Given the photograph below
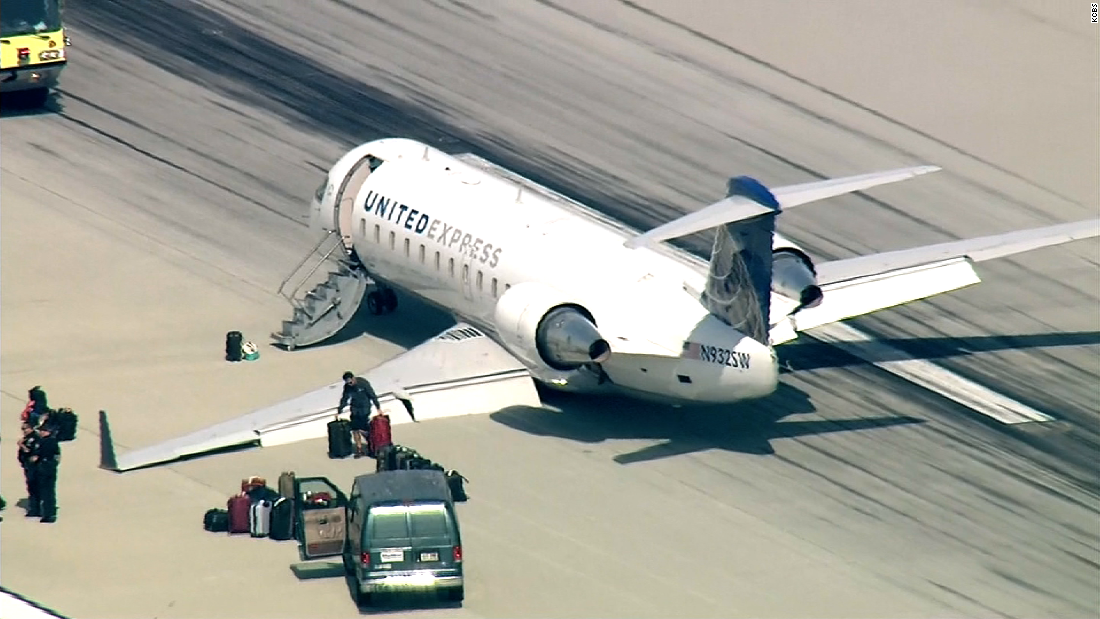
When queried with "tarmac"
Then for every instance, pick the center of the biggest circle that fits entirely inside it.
(160, 201)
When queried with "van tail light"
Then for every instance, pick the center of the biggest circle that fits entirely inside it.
(458, 553)
(364, 557)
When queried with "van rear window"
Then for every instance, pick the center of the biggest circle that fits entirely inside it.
(428, 520)
(389, 523)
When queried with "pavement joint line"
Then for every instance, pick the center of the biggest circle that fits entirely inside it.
(926, 374)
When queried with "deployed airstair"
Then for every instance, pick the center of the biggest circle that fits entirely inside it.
(333, 299)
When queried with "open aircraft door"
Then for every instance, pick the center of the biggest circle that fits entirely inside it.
(321, 516)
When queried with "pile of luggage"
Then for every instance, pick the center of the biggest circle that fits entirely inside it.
(236, 349)
(388, 456)
(258, 510)
(400, 458)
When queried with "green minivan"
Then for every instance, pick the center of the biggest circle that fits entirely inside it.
(403, 535)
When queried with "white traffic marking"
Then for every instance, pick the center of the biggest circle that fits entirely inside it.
(927, 375)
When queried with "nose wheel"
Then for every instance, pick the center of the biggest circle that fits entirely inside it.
(381, 301)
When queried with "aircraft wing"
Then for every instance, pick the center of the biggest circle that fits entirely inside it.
(461, 371)
(865, 284)
(977, 249)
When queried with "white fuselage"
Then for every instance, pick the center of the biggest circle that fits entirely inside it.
(457, 232)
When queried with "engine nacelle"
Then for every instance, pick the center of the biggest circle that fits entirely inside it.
(794, 276)
(542, 325)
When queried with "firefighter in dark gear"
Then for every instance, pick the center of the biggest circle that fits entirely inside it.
(36, 405)
(48, 457)
(28, 446)
(359, 394)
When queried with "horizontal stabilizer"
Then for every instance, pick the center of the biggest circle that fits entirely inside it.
(977, 250)
(461, 371)
(743, 206)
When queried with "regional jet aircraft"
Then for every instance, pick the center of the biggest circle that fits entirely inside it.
(545, 289)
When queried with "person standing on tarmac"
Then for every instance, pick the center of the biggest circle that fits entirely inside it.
(48, 457)
(36, 405)
(359, 394)
(28, 446)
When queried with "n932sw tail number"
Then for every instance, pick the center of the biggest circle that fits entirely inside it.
(724, 356)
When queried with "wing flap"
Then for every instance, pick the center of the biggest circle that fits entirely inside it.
(461, 371)
(977, 249)
(875, 292)
(471, 396)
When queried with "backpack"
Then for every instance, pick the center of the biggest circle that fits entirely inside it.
(216, 520)
(454, 482)
(65, 420)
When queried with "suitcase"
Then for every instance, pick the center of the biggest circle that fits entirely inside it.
(216, 520)
(262, 493)
(233, 346)
(454, 482)
(65, 420)
(286, 485)
(259, 518)
(404, 458)
(380, 435)
(387, 459)
(238, 508)
(339, 439)
(249, 484)
(282, 519)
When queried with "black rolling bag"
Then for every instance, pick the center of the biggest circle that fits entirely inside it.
(339, 439)
(233, 342)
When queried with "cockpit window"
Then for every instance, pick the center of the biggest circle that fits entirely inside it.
(320, 193)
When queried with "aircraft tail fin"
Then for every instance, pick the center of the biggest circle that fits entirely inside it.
(738, 290)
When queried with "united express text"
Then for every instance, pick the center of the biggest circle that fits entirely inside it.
(437, 230)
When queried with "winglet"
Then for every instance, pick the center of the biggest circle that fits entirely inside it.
(748, 199)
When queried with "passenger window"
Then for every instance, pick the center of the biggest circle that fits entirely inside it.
(421, 253)
(465, 274)
(406, 248)
(451, 266)
(393, 240)
(479, 280)
(363, 228)
(377, 233)
(316, 494)
(436, 261)
(494, 287)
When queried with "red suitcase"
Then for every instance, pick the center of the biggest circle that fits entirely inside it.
(380, 435)
(238, 508)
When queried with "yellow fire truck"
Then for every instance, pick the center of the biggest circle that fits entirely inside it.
(32, 48)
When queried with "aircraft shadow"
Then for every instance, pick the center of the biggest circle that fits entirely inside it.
(809, 354)
(748, 428)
